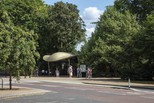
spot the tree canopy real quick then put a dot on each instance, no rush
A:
(122, 43)
(139, 7)
(114, 32)
(18, 47)
(65, 28)
(30, 29)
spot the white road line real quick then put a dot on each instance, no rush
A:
(143, 91)
(54, 92)
(75, 88)
(30, 84)
(51, 86)
(70, 98)
(66, 82)
(118, 93)
(133, 93)
(115, 93)
(147, 97)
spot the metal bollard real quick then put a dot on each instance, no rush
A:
(2, 82)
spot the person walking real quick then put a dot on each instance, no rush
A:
(89, 73)
(70, 71)
(57, 72)
(78, 72)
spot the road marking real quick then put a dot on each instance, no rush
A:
(49, 102)
(147, 97)
(53, 91)
(143, 91)
(51, 86)
(70, 98)
(29, 84)
(133, 93)
(108, 92)
(120, 93)
(61, 82)
(75, 88)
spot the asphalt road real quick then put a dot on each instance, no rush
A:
(79, 93)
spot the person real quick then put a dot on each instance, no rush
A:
(89, 71)
(78, 72)
(57, 72)
(70, 71)
(42, 72)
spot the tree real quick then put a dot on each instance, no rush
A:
(143, 44)
(113, 33)
(138, 7)
(29, 15)
(66, 28)
(25, 13)
(147, 37)
(18, 47)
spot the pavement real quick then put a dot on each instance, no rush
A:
(106, 82)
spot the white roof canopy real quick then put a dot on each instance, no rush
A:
(57, 56)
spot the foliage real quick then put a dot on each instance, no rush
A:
(121, 43)
(55, 28)
(29, 15)
(138, 7)
(18, 47)
(143, 44)
(113, 33)
(25, 13)
(66, 28)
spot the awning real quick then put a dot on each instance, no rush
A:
(57, 56)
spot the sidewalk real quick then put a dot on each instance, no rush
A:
(107, 82)
(19, 91)
(96, 81)
(117, 82)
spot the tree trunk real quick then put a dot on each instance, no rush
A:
(10, 81)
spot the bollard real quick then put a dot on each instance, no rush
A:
(2, 82)
(129, 83)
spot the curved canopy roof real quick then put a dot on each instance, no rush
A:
(57, 56)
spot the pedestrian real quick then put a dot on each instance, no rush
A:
(57, 72)
(70, 71)
(89, 72)
(42, 72)
(78, 72)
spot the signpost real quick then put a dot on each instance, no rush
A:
(83, 68)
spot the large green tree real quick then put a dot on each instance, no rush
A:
(140, 48)
(28, 15)
(65, 28)
(18, 47)
(114, 32)
(144, 48)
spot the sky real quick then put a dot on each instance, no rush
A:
(90, 11)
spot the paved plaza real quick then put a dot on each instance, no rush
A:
(18, 90)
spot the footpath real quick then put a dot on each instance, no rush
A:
(106, 82)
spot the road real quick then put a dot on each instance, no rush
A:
(80, 93)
